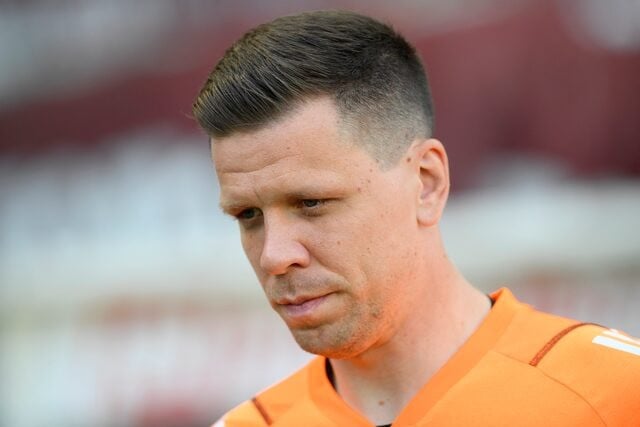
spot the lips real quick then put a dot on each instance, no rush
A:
(303, 309)
(298, 300)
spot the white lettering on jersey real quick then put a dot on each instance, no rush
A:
(617, 341)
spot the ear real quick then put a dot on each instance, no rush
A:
(432, 167)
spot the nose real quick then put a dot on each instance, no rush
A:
(282, 248)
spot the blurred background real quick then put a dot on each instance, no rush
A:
(125, 299)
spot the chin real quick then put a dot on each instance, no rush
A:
(328, 346)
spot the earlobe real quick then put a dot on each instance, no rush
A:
(432, 168)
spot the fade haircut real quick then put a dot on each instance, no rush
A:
(373, 75)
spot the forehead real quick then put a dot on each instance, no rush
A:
(311, 130)
(308, 147)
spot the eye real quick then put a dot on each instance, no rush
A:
(248, 214)
(311, 203)
(313, 207)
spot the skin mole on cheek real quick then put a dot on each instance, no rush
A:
(408, 159)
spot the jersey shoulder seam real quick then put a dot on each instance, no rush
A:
(555, 339)
(567, 387)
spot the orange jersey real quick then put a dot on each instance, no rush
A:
(520, 368)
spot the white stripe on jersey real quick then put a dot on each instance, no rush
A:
(617, 345)
(615, 334)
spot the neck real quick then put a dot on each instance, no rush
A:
(380, 382)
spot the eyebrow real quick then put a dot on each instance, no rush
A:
(229, 208)
(308, 192)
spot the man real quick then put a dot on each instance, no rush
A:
(321, 127)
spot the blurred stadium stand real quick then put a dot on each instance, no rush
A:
(125, 299)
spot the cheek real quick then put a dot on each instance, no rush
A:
(386, 243)
(252, 246)
(350, 246)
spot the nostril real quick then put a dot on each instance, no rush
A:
(280, 255)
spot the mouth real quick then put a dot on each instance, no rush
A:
(303, 308)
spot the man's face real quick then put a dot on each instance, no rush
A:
(330, 235)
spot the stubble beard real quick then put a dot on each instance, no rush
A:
(343, 338)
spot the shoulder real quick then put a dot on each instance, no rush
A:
(597, 365)
(602, 366)
(245, 414)
(272, 403)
